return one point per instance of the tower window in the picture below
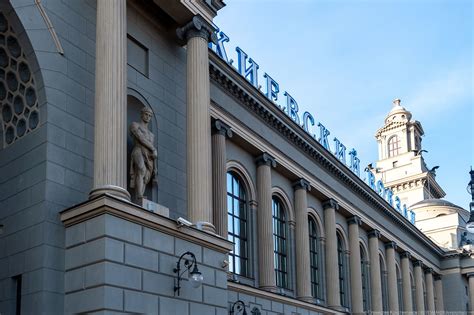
(393, 146)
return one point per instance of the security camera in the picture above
(183, 222)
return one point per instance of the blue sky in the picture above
(345, 61)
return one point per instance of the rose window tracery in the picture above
(18, 101)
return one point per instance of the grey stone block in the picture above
(302, 311)
(141, 303)
(277, 307)
(114, 227)
(266, 304)
(141, 257)
(170, 306)
(246, 298)
(75, 234)
(66, 121)
(221, 279)
(213, 258)
(94, 299)
(289, 309)
(65, 158)
(201, 309)
(215, 296)
(113, 274)
(208, 274)
(55, 172)
(158, 283)
(158, 240)
(74, 280)
(94, 251)
(182, 246)
(78, 181)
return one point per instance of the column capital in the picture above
(405, 254)
(354, 220)
(197, 27)
(437, 277)
(391, 245)
(330, 203)
(374, 233)
(302, 184)
(266, 159)
(469, 275)
(219, 127)
(428, 270)
(418, 263)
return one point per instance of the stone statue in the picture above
(143, 157)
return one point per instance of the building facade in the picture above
(242, 191)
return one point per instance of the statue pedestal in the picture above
(155, 207)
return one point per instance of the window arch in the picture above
(393, 146)
(315, 258)
(280, 239)
(342, 263)
(364, 266)
(237, 225)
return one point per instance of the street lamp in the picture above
(195, 276)
(470, 190)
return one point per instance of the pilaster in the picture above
(332, 272)
(393, 305)
(197, 34)
(219, 173)
(355, 266)
(303, 263)
(438, 287)
(429, 290)
(375, 280)
(406, 282)
(110, 127)
(470, 279)
(265, 222)
(419, 296)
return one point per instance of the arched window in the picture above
(314, 251)
(393, 146)
(383, 277)
(365, 279)
(280, 234)
(342, 263)
(237, 215)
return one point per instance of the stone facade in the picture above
(72, 242)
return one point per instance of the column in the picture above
(419, 296)
(375, 280)
(265, 222)
(430, 305)
(332, 269)
(355, 267)
(392, 277)
(406, 282)
(470, 279)
(197, 34)
(438, 285)
(219, 176)
(110, 126)
(303, 269)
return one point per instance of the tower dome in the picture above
(398, 113)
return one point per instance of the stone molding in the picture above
(219, 127)
(374, 233)
(110, 204)
(405, 254)
(428, 270)
(232, 83)
(197, 27)
(330, 204)
(418, 263)
(391, 245)
(354, 220)
(265, 159)
(302, 184)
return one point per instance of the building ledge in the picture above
(108, 204)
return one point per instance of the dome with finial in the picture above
(398, 113)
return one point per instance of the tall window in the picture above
(393, 146)
(279, 244)
(341, 260)
(365, 280)
(314, 259)
(237, 225)
(413, 292)
(400, 289)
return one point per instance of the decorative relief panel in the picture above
(18, 101)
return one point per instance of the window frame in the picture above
(280, 243)
(342, 267)
(393, 146)
(315, 258)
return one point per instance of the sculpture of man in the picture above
(142, 160)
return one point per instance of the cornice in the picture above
(228, 79)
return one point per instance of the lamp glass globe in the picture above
(196, 279)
